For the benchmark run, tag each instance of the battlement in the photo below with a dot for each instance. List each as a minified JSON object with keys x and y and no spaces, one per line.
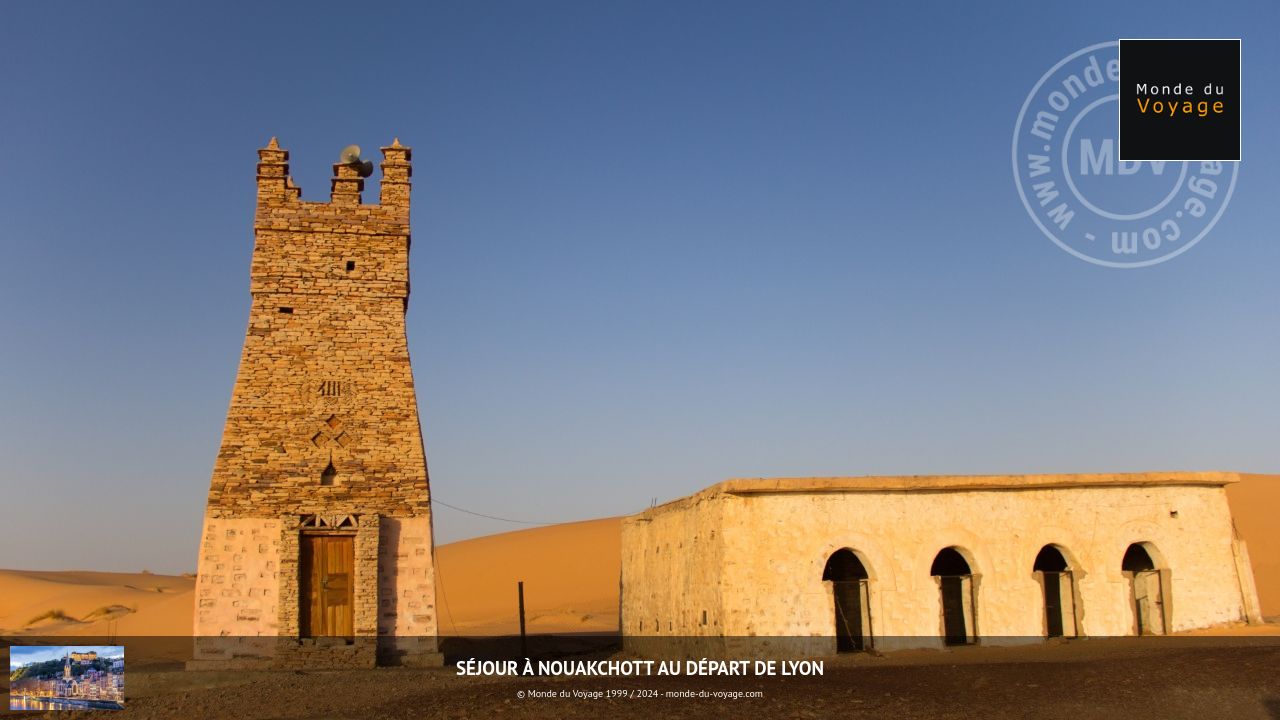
{"x":278,"y":192}
{"x":340,"y":246}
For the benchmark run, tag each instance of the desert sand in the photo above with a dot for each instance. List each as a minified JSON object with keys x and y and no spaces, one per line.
{"x":570,"y":571}
{"x":94,"y":603}
{"x":1255,"y":505}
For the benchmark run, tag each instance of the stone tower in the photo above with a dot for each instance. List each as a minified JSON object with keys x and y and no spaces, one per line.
{"x":317,"y":544}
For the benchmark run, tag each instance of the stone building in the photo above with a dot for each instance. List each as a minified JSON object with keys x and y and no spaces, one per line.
{"x":317,"y":543}
{"x":811,"y":566}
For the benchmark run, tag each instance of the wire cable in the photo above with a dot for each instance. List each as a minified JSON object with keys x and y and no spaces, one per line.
{"x":490,"y":517}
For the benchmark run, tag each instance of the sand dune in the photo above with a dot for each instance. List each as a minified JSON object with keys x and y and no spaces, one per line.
{"x":570,"y":575}
{"x":1255,"y":505}
{"x":94,"y":603}
{"x":570,"y":571}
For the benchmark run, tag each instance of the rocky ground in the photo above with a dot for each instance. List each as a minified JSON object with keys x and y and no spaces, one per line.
{"x":1237,"y":678}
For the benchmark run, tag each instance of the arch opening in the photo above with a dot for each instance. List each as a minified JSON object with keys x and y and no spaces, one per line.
{"x":955,"y":585}
{"x":1148,"y":588}
{"x":851,"y":595}
{"x":1058,"y":582}
{"x":1137,"y":559}
{"x":1051,"y":559}
{"x":844,"y":565}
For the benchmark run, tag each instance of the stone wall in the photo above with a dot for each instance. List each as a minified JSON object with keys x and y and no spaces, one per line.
{"x":407,"y":619}
{"x":773,"y":548}
{"x":325,"y":377}
{"x":673,"y":571}
{"x":237,"y":587}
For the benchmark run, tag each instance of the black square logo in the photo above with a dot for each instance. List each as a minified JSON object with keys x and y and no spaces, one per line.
{"x":1179,"y":99}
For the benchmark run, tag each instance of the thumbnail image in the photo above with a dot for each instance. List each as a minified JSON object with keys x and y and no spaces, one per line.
{"x":66,"y":677}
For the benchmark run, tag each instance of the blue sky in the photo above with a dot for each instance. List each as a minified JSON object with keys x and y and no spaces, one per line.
{"x":20,"y":655}
{"x":656,"y":245}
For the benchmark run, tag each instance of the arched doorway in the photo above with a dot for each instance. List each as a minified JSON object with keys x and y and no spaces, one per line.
{"x":1149,"y":589}
{"x":955,"y":584}
{"x":1055,"y":575}
{"x":851,"y":592}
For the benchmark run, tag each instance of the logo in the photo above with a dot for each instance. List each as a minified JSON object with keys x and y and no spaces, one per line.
{"x":1107,"y":211}
{"x":1180,"y":100}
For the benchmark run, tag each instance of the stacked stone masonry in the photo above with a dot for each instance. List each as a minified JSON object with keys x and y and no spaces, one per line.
{"x":322,"y":435}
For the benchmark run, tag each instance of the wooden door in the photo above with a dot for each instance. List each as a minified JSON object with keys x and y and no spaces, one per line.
{"x":1068,"y":604}
{"x":1148,"y":602}
{"x":328,"y":586}
{"x":864,"y":605}
{"x":849,"y":614}
{"x":970,"y":622}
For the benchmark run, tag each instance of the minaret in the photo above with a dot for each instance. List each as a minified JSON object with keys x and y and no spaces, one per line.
{"x":317,"y":542}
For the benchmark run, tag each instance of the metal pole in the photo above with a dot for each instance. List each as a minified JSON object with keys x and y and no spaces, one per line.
{"x":524,"y":647}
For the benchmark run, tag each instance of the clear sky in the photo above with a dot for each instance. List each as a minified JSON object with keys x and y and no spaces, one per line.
{"x":656,"y":245}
